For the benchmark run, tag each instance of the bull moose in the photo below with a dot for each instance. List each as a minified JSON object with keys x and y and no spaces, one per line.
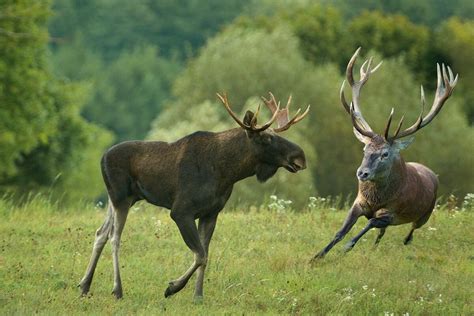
{"x":193,"y":177}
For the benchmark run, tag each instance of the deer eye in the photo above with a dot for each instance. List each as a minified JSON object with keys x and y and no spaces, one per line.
{"x":384,"y":155}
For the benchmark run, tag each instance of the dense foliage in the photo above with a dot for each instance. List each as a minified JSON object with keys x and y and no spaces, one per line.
{"x":43,"y":139}
{"x":152,"y":68}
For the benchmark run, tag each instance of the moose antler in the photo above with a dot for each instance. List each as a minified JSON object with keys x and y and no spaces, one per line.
{"x":358,"y":121}
{"x":283,"y":116}
{"x":253,"y":122}
{"x":446,"y":83}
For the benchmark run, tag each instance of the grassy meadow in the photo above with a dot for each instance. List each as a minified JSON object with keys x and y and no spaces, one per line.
{"x":259,"y":264}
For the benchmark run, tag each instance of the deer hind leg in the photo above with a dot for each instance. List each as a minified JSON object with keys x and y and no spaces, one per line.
{"x":379,"y":236}
{"x":101,"y":237}
{"x":206,"y":229}
{"x":189,"y":232}
{"x":378,"y":222}
{"x":420,"y":222}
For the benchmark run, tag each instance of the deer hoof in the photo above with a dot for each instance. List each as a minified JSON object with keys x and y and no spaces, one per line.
{"x":348,"y":247}
{"x":317,"y":257}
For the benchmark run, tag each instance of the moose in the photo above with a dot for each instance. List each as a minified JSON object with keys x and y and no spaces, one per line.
{"x":193,"y":178}
{"x":391,"y":191}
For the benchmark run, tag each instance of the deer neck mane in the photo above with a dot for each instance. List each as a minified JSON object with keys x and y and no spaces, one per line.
{"x":379,"y":192}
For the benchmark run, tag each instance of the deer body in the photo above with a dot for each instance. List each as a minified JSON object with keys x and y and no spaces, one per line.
{"x":193,"y":177}
{"x":391,"y":192}
{"x":406,"y":198}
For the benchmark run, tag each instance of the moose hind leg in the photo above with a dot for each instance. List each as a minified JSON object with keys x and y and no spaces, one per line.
{"x":206,"y":229}
{"x":101,"y":237}
{"x":119,"y":222}
{"x":189,"y":232}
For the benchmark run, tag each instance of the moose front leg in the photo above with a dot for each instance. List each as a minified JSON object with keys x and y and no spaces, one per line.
{"x":189,"y":232}
{"x":206,"y":229}
{"x":378,"y":222}
{"x":354,"y":213}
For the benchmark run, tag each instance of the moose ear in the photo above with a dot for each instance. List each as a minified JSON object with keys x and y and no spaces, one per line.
{"x":248,"y":118}
{"x":360,"y":137}
{"x":403,"y":143}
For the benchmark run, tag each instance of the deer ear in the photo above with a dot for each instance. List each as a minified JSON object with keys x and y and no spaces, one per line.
{"x":248,"y":118}
{"x":360,"y":137}
{"x":403,"y":143}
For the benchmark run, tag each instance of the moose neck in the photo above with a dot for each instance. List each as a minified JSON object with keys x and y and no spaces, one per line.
{"x":236,"y":159}
{"x":382,"y":190}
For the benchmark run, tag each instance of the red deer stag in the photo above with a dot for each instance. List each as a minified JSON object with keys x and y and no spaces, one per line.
{"x":391,"y":192}
{"x":193,"y":177}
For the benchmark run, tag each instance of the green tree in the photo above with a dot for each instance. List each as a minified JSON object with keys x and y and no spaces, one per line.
{"x":128,"y":94}
{"x":322,"y":33}
{"x":42,"y":134}
{"x":394,"y":35}
{"x":252,"y":67}
{"x":26,"y":105}
{"x":455,"y":41}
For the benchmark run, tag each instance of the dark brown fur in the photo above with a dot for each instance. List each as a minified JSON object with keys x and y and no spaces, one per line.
{"x":193,"y":177}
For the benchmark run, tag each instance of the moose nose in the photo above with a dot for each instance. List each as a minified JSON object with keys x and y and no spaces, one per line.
{"x":362,"y":174}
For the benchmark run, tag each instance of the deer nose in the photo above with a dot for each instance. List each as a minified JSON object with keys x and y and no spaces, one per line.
{"x":363,"y":174}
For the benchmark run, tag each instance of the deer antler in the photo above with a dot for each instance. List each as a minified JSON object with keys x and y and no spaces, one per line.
{"x":358,"y":121}
{"x":283,"y":116}
{"x":253,"y":123}
{"x":446,"y":83}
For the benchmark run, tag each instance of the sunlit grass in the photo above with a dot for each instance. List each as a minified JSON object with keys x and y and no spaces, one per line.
{"x":259,"y":264}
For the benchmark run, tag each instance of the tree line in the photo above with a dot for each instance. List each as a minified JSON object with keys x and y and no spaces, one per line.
{"x":77,"y":77}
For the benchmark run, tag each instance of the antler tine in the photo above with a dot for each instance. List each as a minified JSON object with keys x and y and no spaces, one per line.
{"x":224,"y":101}
{"x":288,"y":102}
{"x":253,"y":122}
{"x":365,"y":72}
{"x":350,"y":66}
{"x":283,"y":118}
{"x":343,"y":98}
{"x":398,"y":127}
{"x":446,"y":81}
{"x":269,"y":123}
{"x":387,"y":127}
{"x":356,"y":124}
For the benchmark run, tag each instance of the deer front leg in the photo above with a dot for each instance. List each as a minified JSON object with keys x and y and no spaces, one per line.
{"x":206,"y":229}
{"x":379,"y":222}
{"x":189,"y":232}
{"x":354,"y":213}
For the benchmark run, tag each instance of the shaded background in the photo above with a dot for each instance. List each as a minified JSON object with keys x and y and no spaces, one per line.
{"x":77,"y":76}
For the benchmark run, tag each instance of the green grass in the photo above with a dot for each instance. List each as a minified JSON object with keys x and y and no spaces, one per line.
{"x":258,"y":264}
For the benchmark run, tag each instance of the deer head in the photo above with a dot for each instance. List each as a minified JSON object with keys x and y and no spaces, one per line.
{"x":381,"y":151}
{"x":271,"y":150}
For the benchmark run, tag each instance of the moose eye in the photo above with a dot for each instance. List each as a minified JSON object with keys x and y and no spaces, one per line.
{"x":385,"y":154}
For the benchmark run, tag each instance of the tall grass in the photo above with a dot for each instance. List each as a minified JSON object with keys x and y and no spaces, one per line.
{"x":259,"y":263}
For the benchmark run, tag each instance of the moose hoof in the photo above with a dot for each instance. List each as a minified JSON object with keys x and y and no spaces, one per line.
{"x":117,"y":293}
{"x":84,"y":288}
{"x":198,"y":299}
